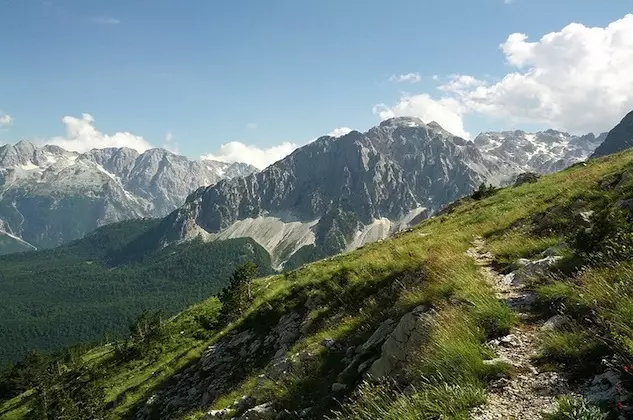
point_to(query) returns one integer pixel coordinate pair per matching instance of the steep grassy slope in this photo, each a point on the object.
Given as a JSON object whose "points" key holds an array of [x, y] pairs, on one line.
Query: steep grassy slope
{"points": [[51, 299], [342, 301]]}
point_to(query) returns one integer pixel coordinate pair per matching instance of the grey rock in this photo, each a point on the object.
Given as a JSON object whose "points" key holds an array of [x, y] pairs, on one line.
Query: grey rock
{"points": [[602, 388], [261, 412], [555, 323], [410, 333], [530, 270], [510, 340], [583, 218], [526, 178], [378, 337], [244, 403], [626, 204], [338, 387]]}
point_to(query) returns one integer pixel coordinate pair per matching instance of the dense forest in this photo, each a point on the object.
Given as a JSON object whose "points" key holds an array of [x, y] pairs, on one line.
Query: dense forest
{"points": [[97, 285]]}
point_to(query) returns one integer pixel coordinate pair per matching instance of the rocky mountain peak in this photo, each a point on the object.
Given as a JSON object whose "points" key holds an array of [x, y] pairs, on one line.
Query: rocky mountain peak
{"points": [[618, 139], [402, 122]]}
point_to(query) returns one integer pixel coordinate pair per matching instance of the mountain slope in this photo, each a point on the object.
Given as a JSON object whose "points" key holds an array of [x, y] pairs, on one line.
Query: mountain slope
{"points": [[620, 138], [49, 196], [414, 309], [337, 193]]}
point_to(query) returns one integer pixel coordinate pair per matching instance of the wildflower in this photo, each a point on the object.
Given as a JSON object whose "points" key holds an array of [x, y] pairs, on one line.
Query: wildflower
{"points": [[626, 369], [619, 405]]}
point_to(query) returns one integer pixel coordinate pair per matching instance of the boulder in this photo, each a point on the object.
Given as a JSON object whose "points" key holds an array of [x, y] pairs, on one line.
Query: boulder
{"points": [[378, 337], [555, 323], [583, 219], [244, 403], [530, 270], [526, 178], [603, 388], [338, 387], [260, 412], [400, 347], [510, 340]]}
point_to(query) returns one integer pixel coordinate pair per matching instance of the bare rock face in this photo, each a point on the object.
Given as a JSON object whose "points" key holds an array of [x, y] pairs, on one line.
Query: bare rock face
{"points": [[410, 334], [620, 138]]}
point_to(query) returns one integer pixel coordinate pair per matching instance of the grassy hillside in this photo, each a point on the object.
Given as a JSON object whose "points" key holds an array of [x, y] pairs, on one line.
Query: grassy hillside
{"points": [[79, 292], [342, 301]]}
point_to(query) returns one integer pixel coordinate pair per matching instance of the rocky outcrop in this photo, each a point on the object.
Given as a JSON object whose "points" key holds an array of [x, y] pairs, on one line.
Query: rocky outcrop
{"points": [[221, 366], [618, 139], [400, 347], [526, 178]]}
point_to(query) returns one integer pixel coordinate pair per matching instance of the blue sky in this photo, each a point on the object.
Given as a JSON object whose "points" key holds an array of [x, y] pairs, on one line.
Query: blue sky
{"points": [[264, 72]]}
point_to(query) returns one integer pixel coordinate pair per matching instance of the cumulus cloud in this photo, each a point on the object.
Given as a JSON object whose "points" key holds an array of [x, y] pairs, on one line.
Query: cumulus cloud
{"points": [[82, 136], [579, 79], [5, 120], [259, 157], [340, 132], [445, 111], [170, 145], [406, 78]]}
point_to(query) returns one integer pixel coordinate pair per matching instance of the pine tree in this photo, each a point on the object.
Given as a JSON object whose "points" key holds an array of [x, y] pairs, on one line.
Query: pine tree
{"points": [[236, 297]]}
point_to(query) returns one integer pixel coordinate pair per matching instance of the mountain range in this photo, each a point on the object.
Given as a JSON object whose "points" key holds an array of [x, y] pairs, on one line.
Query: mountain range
{"points": [[49, 196], [339, 193]]}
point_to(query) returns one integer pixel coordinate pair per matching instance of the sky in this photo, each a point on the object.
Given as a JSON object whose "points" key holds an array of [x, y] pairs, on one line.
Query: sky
{"points": [[250, 80]]}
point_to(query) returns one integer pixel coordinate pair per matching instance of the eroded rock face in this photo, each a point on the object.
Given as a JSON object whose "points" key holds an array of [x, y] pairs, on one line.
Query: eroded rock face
{"points": [[410, 334]]}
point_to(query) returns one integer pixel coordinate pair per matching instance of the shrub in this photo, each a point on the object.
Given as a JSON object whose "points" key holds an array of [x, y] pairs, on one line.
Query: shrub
{"points": [[576, 409]]}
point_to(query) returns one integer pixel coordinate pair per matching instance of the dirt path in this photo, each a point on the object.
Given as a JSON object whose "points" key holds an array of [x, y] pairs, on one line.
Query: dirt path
{"points": [[529, 393]]}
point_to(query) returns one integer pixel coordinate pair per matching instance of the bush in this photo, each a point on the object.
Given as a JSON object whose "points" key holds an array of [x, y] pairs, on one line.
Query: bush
{"points": [[576, 409], [609, 240], [484, 191]]}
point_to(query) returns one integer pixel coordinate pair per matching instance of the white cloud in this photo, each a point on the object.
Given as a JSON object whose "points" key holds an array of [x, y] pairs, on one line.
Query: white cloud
{"points": [[508, 1], [579, 79], [82, 136], [446, 112], [105, 20], [251, 126], [236, 151], [5, 120], [170, 145], [261, 157], [406, 78], [340, 132]]}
